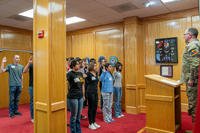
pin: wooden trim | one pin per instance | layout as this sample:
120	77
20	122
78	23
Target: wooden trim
141	109
141	86
58	106
131	110
154	130
9	28
96	28
41	106
132	20
159	98
173	15
141	130
183	88
184	107
131	87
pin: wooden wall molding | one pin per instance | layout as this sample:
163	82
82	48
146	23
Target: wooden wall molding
131	109
96	28
58	105
131	87
41	106
154	130
159	98
170	16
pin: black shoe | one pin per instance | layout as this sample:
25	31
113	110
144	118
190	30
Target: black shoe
83	117
11	115
18	113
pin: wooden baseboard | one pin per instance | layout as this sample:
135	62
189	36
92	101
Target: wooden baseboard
184	107
142	109
154	130
141	130
131	110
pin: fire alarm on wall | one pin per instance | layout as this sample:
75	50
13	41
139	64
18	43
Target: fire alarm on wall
41	34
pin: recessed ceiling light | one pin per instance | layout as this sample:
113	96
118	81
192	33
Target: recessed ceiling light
28	13
167	1
70	20
148	4
74	19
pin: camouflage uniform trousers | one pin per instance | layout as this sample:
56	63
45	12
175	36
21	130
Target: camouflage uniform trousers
192	99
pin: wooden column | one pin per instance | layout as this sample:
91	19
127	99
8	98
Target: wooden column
49	66
134	66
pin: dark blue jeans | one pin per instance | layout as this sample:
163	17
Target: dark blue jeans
117	101
75	106
31	100
14	93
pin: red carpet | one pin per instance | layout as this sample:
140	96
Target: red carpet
128	124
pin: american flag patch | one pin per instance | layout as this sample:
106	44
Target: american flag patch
194	52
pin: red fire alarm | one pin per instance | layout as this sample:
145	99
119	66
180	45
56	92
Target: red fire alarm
41	34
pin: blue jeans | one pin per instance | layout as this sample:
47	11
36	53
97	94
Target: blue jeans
14	92
117	101
76	106
31	100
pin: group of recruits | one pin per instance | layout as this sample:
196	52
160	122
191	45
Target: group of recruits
83	77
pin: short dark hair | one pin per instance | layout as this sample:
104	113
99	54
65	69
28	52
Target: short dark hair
193	31
73	63
91	66
78	59
93	60
107	65
117	65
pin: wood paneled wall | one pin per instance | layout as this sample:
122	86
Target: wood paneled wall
16	41
170	25
134	66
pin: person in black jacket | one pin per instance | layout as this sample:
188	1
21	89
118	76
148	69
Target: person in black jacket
92	85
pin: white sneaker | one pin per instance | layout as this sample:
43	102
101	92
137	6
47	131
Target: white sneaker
96	125
92	127
122	115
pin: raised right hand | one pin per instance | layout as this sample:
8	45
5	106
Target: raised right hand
4	60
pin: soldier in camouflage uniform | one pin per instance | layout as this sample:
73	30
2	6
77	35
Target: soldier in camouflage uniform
190	64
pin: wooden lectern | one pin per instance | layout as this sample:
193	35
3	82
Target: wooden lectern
163	103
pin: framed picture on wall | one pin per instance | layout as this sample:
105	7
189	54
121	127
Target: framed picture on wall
166	50
166	70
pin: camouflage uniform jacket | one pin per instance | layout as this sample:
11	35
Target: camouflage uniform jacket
190	61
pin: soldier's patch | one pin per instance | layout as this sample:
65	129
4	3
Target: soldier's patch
194	52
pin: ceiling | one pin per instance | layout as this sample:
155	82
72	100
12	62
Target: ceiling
97	12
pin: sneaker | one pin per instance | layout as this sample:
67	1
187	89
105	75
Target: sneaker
122	115
32	120
18	113
119	116
96	125
11	115
83	117
92	127
112	120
